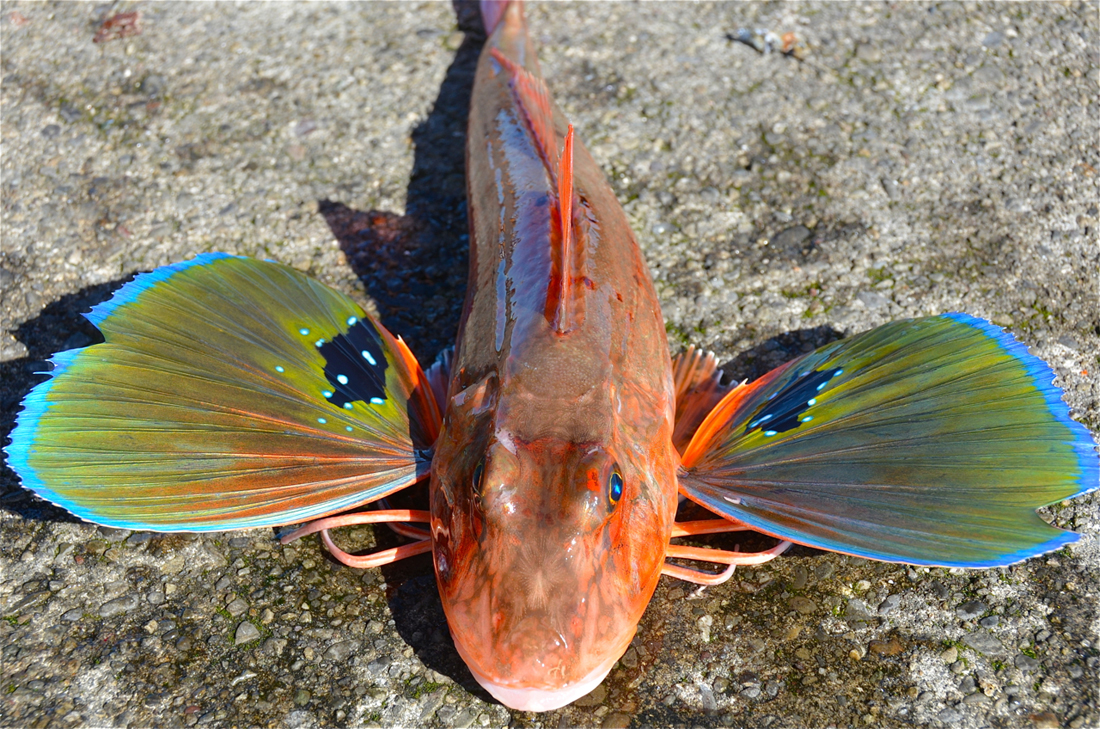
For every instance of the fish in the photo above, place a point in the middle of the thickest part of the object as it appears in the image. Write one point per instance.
(559, 438)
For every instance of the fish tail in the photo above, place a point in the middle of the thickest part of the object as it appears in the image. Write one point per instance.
(492, 11)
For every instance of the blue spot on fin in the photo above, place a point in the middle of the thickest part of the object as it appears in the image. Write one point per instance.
(786, 407)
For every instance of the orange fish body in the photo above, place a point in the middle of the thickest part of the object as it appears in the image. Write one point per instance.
(553, 486)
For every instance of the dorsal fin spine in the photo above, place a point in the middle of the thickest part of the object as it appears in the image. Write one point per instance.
(565, 218)
(533, 99)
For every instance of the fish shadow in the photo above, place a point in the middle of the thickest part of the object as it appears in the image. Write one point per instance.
(782, 348)
(418, 616)
(415, 265)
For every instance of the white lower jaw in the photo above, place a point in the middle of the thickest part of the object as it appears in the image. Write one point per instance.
(533, 699)
(536, 699)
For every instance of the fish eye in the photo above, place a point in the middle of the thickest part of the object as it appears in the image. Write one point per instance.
(614, 487)
(475, 482)
(479, 472)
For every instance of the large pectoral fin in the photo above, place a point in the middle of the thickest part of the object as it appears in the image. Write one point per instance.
(229, 393)
(928, 441)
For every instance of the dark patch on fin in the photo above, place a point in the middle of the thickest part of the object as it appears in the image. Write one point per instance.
(785, 411)
(355, 365)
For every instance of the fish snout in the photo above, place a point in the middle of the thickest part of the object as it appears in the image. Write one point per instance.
(535, 666)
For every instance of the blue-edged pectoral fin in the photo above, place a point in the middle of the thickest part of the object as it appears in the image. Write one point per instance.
(927, 441)
(228, 393)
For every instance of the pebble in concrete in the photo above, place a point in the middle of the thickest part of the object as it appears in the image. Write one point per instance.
(971, 609)
(246, 633)
(985, 643)
(119, 605)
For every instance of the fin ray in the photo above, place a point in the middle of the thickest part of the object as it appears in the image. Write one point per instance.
(927, 441)
(228, 393)
(699, 388)
(562, 286)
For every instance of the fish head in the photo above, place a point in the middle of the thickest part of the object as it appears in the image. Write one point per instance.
(546, 553)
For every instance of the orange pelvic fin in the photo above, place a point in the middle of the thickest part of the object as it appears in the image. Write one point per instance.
(712, 425)
(698, 389)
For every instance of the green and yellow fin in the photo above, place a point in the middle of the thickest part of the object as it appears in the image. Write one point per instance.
(927, 441)
(228, 393)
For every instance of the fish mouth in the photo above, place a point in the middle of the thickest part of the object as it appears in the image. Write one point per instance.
(526, 698)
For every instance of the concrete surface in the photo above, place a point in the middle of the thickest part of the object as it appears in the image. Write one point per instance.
(921, 158)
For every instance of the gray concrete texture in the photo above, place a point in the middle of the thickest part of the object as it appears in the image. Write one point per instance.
(920, 158)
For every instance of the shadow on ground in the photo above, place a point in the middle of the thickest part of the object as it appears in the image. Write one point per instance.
(58, 327)
(415, 265)
(769, 354)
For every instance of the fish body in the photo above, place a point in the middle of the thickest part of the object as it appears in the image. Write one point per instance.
(554, 479)
(232, 393)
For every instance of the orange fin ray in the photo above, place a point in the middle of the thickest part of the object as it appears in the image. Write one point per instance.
(716, 556)
(699, 388)
(564, 282)
(392, 517)
(533, 100)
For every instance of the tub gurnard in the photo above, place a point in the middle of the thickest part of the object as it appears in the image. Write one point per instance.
(559, 437)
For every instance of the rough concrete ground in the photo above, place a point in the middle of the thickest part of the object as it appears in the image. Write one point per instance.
(922, 158)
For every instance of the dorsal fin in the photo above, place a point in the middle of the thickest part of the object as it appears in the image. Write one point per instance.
(563, 310)
(565, 222)
(533, 99)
